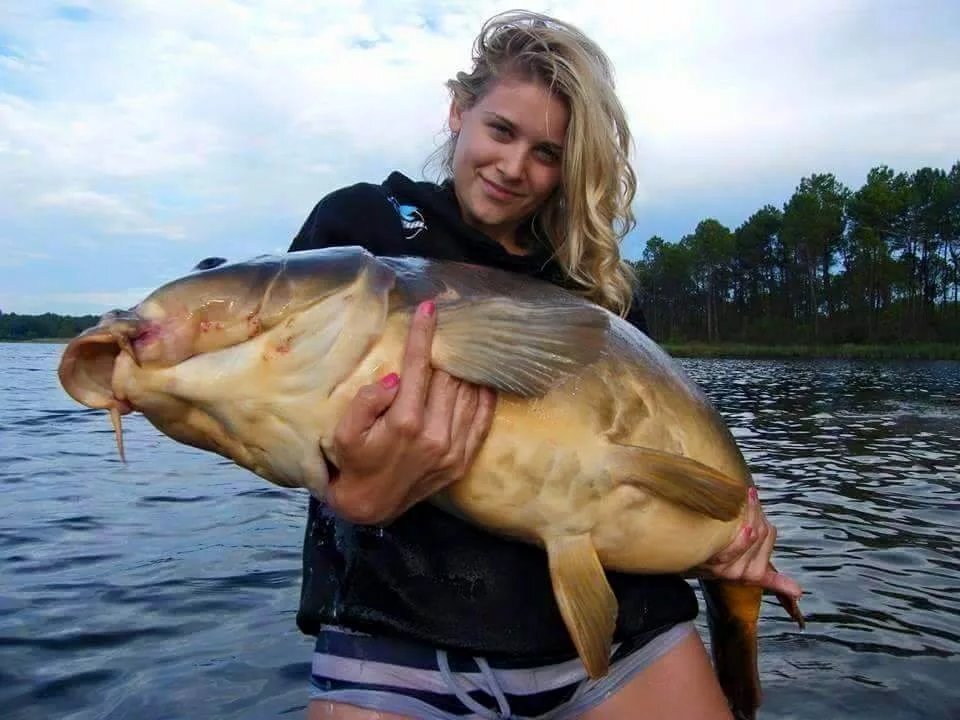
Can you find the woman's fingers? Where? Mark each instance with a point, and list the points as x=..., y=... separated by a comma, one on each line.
x=403, y=440
x=747, y=558
x=464, y=410
x=757, y=559
x=370, y=402
x=438, y=437
x=479, y=428
x=740, y=545
x=779, y=583
x=471, y=424
x=750, y=533
x=406, y=413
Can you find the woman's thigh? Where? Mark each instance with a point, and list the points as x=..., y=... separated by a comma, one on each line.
x=680, y=685
x=325, y=710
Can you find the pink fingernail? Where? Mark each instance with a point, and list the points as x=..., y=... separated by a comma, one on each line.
x=752, y=493
x=428, y=307
x=390, y=381
x=748, y=532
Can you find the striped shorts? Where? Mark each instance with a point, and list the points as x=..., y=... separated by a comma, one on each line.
x=423, y=682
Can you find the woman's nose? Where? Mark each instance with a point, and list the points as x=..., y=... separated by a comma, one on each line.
x=511, y=163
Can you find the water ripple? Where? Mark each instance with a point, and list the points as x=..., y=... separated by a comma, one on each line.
x=167, y=587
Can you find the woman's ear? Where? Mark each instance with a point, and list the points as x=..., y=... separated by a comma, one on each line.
x=456, y=117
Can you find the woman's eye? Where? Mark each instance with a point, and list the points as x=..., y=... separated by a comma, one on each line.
x=548, y=156
x=500, y=130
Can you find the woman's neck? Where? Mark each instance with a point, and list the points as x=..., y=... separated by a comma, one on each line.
x=510, y=244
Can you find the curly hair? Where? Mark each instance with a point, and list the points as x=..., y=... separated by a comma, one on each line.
x=586, y=219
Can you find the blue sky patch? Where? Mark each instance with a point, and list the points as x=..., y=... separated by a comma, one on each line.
x=74, y=13
x=7, y=47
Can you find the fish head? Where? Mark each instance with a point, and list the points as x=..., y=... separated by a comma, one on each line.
x=194, y=341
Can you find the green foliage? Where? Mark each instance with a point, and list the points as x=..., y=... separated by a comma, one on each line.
x=844, y=351
x=48, y=326
x=877, y=265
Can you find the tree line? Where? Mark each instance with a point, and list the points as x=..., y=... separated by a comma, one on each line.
x=880, y=264
x=46, y=326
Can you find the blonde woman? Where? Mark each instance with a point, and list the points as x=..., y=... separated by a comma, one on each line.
x=416, y=613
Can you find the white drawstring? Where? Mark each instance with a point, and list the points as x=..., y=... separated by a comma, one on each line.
x=497, y=691
x=443, y=663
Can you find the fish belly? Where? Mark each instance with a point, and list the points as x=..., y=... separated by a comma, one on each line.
x=544, y=472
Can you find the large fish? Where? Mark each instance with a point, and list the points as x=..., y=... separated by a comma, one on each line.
x=601, y=450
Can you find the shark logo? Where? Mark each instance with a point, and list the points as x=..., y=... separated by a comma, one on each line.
x=411, y=219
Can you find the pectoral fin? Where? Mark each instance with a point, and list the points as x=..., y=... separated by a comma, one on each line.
x=524, y=348
x=679, y=480
x=587, y=604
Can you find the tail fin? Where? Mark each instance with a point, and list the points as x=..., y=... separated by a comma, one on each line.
x=732, y=613
x=733, y=610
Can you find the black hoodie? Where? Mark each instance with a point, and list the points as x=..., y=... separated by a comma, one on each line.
x=428, y=576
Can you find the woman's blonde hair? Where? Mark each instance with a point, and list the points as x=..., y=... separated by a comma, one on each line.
x=588, y=216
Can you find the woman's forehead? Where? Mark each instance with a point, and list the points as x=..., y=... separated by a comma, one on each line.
x=529, y=106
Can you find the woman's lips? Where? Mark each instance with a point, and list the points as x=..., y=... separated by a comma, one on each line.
x=497, y=192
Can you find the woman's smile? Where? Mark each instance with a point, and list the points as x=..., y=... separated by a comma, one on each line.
x=498, y=192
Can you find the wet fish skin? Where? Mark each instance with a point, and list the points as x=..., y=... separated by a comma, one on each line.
x=602, y=451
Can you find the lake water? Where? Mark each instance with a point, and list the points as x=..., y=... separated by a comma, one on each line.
x=167, y=588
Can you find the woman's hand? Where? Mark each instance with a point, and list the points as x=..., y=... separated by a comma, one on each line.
x=747, y=558
x=408, y=436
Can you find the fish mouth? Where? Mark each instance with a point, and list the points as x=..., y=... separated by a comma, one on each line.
x=87, y=366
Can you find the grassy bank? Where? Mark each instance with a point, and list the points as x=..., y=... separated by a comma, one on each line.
x=919, y=351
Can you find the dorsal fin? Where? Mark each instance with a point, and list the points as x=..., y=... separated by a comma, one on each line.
x=209, y=263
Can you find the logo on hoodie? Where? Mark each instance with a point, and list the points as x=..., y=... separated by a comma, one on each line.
x=411, y=219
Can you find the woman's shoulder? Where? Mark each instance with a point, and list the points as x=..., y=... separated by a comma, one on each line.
x=359, y=214
x=357, y=198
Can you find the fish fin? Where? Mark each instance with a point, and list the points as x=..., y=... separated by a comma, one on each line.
x=209, y=263
x=523, y=348
x=585, y=599
x=733, y=610
x=679, y=480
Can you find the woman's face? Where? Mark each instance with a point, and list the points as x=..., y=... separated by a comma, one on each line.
x=507, y=159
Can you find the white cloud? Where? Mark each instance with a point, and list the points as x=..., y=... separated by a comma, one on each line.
x=15, y=257
x=117, y=215
x=222, y=91
x=81, y=303
x=216, y=121
x=9, y=62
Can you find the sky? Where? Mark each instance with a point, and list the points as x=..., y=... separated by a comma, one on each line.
x=138, y=137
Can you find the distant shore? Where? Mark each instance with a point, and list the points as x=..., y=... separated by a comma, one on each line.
x=917, y=351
